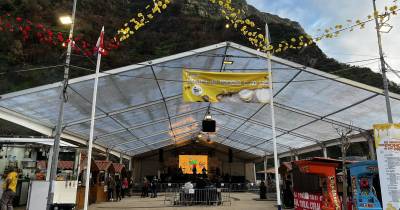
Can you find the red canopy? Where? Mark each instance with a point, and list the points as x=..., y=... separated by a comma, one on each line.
x=62, y=164
x=118, y=167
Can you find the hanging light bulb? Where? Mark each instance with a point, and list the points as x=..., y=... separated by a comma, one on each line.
x=208, y=116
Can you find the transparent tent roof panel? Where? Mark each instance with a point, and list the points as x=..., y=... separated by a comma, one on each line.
x=320, y=96
x=44, y=106
x=281, y=118
x=373, y=110
x=143, y=115
x=102, y=126
x=135, y=86
x=123, y=90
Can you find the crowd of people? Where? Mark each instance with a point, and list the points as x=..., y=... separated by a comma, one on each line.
x=149, y=185
x=118, y=188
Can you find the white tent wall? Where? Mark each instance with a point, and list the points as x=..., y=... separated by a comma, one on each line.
x=136, y=107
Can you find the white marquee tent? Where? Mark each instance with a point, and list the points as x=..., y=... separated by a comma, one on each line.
x=140, y=108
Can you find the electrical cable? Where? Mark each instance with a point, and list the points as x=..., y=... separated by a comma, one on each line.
x=395, y=72
x=181, y=81
x=32, y=69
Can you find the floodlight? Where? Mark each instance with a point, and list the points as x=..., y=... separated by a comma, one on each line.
x=65, y=20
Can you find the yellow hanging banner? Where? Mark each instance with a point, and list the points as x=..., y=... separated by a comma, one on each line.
x=243, y=87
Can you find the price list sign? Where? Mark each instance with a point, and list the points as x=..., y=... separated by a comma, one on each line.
x=387, y=142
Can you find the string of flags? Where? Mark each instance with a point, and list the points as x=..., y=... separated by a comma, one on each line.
x=234, y=17
x=254, y=34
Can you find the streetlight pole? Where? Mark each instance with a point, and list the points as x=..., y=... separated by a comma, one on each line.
x=383, y=65
x=271, y=104
x=63, y=92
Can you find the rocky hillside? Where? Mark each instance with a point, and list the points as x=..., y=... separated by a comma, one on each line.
x=185, y=25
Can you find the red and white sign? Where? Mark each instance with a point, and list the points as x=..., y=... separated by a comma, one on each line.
x=304, y=200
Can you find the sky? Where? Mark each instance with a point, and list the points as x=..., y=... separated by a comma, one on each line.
x=360, y=44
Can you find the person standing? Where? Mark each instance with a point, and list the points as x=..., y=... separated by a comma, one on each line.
x=111, y=188
x=263, y=190
x=145, y=188
x=118, y=188
x=125, y=185
x=154, y=188
x=9, y=189
x=130, y=186
x=194, y=170
x=204, y=172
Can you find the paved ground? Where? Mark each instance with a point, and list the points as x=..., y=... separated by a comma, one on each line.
x=240, y=201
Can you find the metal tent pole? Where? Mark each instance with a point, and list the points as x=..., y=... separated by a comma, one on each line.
x=383, y=66
x=278, y=190
x=90, y=145
x=56, y=147
x=265, y=174
x=265, y=166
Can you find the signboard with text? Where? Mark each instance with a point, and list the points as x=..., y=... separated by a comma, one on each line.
x=387, y=142
x=227, y=87
x=304, y=200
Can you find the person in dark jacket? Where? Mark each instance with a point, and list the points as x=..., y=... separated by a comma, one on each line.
x=154, y=188
x=118, y=189
x=263, y=191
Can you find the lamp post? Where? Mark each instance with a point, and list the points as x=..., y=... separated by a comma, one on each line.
x=63, y=91
x=383, y=64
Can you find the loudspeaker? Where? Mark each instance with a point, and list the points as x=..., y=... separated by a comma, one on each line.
x=161, y=155
x=208, y=125
x=230, y=155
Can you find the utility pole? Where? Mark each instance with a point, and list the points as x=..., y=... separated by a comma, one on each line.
x=63, y=92
x=383, y=65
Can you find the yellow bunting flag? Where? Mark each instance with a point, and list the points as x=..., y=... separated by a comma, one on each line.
x=243, y=87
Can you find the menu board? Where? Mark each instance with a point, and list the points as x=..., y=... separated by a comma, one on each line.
x=387, y=142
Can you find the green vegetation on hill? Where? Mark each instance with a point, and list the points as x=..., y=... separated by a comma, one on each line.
x=184, y=26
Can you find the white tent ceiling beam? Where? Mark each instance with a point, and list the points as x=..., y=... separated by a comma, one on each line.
x=124, y=110
x=165, y=103
x=266, y=125
x=324, y=119
x=264, y=141
x=158, y=142
x=255, y=137
x=243, y=143
x=225, y=142
x=118, y=70
x=47, y=130
x=115, y=120
x=45, y=141
x=330, y=143
x=202, y=50
x=314, y=71
x=157, y=133
x=152, y=122
x=234, y=48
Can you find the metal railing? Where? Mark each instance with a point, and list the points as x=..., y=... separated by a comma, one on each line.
x=188, y=197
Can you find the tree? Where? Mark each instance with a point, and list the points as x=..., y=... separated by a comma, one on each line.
x=344, y=134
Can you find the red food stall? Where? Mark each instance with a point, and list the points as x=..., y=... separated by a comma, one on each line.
x=314, y=185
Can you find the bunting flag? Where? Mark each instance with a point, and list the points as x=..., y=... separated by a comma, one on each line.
x=100, y=44
x=243, y=87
